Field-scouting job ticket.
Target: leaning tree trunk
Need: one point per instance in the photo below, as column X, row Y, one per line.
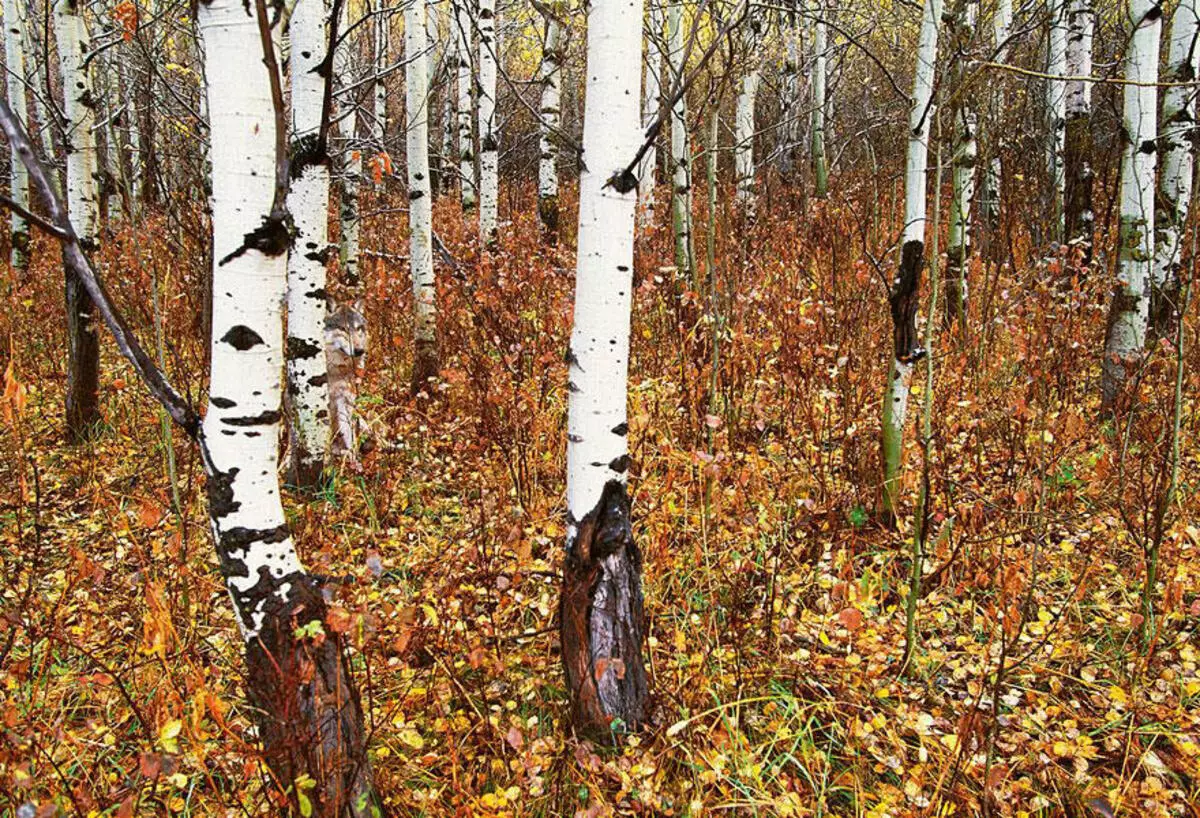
column 966, row 154
column 420, row 199
column 1175, row 180
column 681, row 160
column 352, row 168
column 308, row 203
column 83, row 343
column 466, row 135
column 304, row 701
column 601, row 618
column 489, row 138
column 551, row 79
column 743, row 123
column 820, row 46
column 1130, row 305
column 1056, row 111
column 906, row 288
column 651, row 103
column 14, row 54
column 1079, row 218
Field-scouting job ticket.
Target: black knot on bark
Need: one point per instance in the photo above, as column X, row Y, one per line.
column 219, row 488
column 242, row 338
column 623, row 181
column 306, row 152
column 1148, row 147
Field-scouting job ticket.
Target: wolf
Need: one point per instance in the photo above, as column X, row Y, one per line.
column 345, row 356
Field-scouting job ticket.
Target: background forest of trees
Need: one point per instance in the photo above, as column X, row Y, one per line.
column 484, row 407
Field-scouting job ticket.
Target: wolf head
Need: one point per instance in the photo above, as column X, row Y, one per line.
column 346, row 330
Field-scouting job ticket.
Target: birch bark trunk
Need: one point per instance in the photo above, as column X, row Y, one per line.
column 966, row 154
column 1130, row 305
column 601, row 614
column 14, row 54
column 352, row 168
column 550, row 116
column 1056, row 112
column 651, row 103
column 681, row 159
column 83, row 344
column 305, row 704
column 906, row 287
column 466, row 80
column 1079, row 218
column 989, row 199
column 743, row 152
column 308, row 203
column 489, row 138
column 1175, row 180
column 820, row 106
column 420, row 199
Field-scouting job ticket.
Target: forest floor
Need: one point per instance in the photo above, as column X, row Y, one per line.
column 775, row 598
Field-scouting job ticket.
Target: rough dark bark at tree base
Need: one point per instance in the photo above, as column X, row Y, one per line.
column 1164, row 304
column 425, row 365
column 904, row 299
column 83, row 362
column 307, row 708
column 548, row 213
column 1079, row 218
column 601, row 619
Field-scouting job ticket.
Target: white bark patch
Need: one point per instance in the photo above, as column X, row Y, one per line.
column 681, row 159
column 308, row 202
column 551, row 79
column 466, row 134
column 419, row 192
column 1179, row 122
column 921, row 114
column 1056, row 107
column 597, row 448
column 489, row 136
column 14, row 53
column 74, row 44
column 241, row 426
column 743, row 153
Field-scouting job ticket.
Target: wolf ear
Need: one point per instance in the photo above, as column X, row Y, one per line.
column 357, row 306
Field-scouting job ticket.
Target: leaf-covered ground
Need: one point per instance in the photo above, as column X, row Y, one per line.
column 775, row 598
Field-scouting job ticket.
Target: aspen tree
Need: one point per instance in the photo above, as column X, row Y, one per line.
column 14, row 55
column 819, row 102
column 989, row 198
column 489, row 137
column 383, row 49
column 308, row 204
column 1079, row 219
column 601, row 616
column 83, row 205
column 551, row 80
column 790, row 90
column 1135, row 254
column 651, row 104
column 420, row 198
column 1056, row 111
column 906, row 287
column 352, row 166
column 681, row 159
column 1175, row 179
column 743, row 150
column 466, row 77
column 966, row 154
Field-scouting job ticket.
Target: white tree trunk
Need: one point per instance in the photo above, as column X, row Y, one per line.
column 1079, row 220
column 133, row 127
column 966, row 153
column 905, row 294
column 790, row 91
column 1056, row 110
column 990, row 198
column 601, row 611
column 551, row 79
column 14, row 53
column 352, row 166
column 489, row 137
column 383, row 48
column 1130, row 306
column 651, row 103
column 1175, row 179
column 308, row 203
column 820, row 103
column 681, row 159
column 466, row 77
column 83, row 207
column 420, row 198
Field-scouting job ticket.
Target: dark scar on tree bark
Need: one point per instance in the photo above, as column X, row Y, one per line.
column 242, row 338
column 903, row 299
column 301, row 348
column 261, row 419
column 621, row 429
column 271, row 238
column 219, row 488
column 223, row 403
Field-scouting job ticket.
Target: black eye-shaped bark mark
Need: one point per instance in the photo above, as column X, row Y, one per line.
column 242, row 338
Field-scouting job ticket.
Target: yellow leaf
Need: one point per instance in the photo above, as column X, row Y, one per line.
column 412, row 738
column 1118, row 695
